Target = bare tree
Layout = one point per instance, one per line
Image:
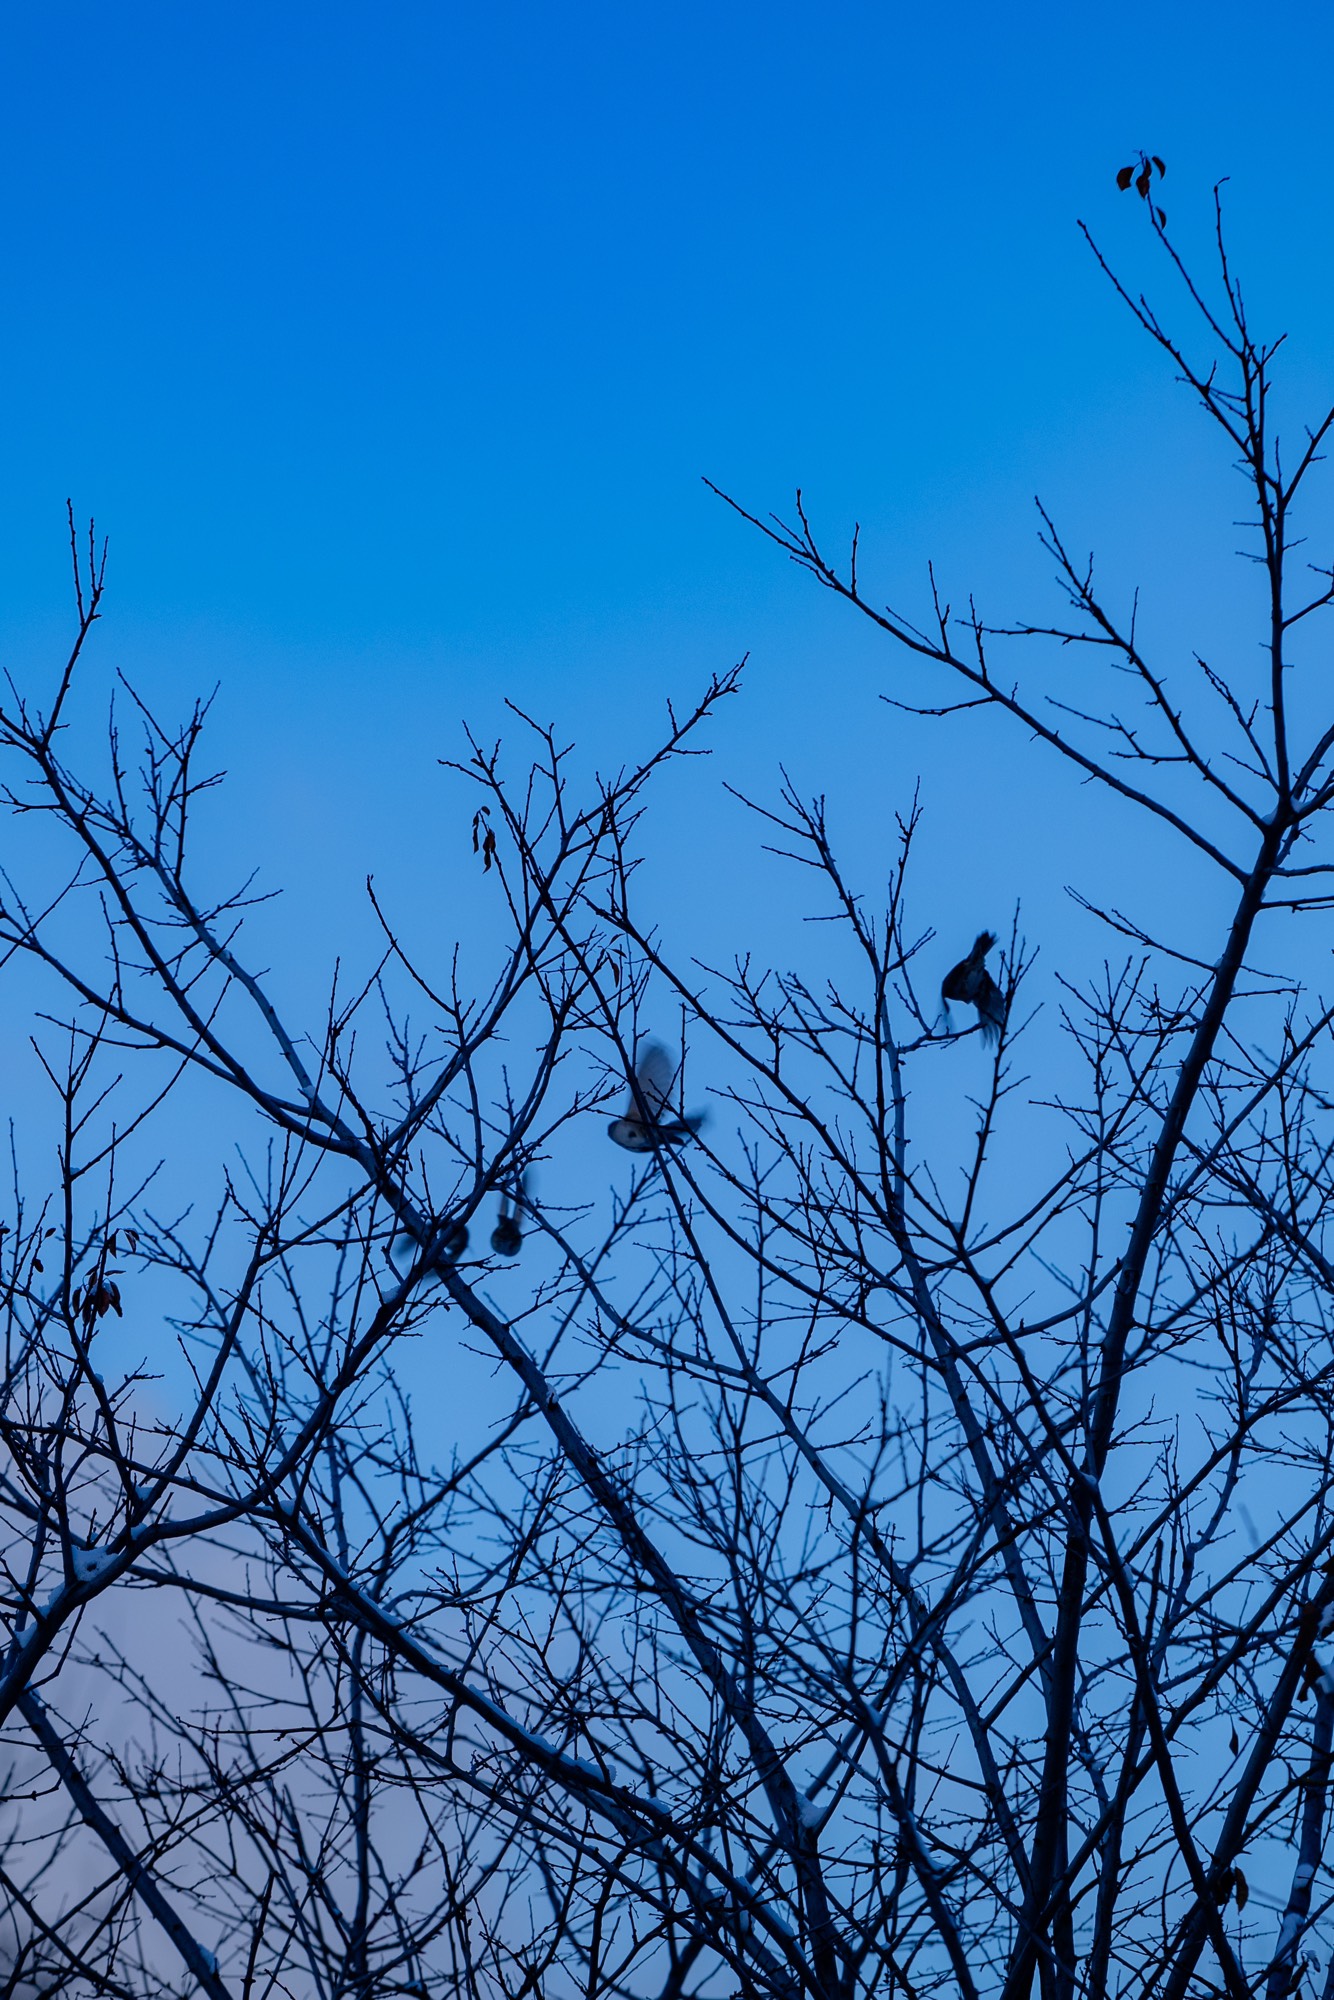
(821, 1566)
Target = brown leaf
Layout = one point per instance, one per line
(1243, 1889)
(1161, 213)
(1124, 178)
(1158, 163)
(1142, 184)
(1233, 1744)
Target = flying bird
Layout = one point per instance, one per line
(648, 1120)
(970, 982)
(507, 1234)
(449, 1245)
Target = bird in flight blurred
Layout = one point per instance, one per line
(970, 982)
(404, 1249)
(507, 1235)
(648, 1120)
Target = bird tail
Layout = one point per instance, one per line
(982, 944)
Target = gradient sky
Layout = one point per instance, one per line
(389, 345)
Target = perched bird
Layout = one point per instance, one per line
(449, 1245)
(507, 1234)
(648, 1120)
(970, 982)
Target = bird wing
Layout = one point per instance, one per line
(655, 1073)
(967, 979)
(953, 984)
(990, 1003)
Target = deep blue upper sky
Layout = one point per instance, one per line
(389, 345)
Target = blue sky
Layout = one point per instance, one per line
(389, 345)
